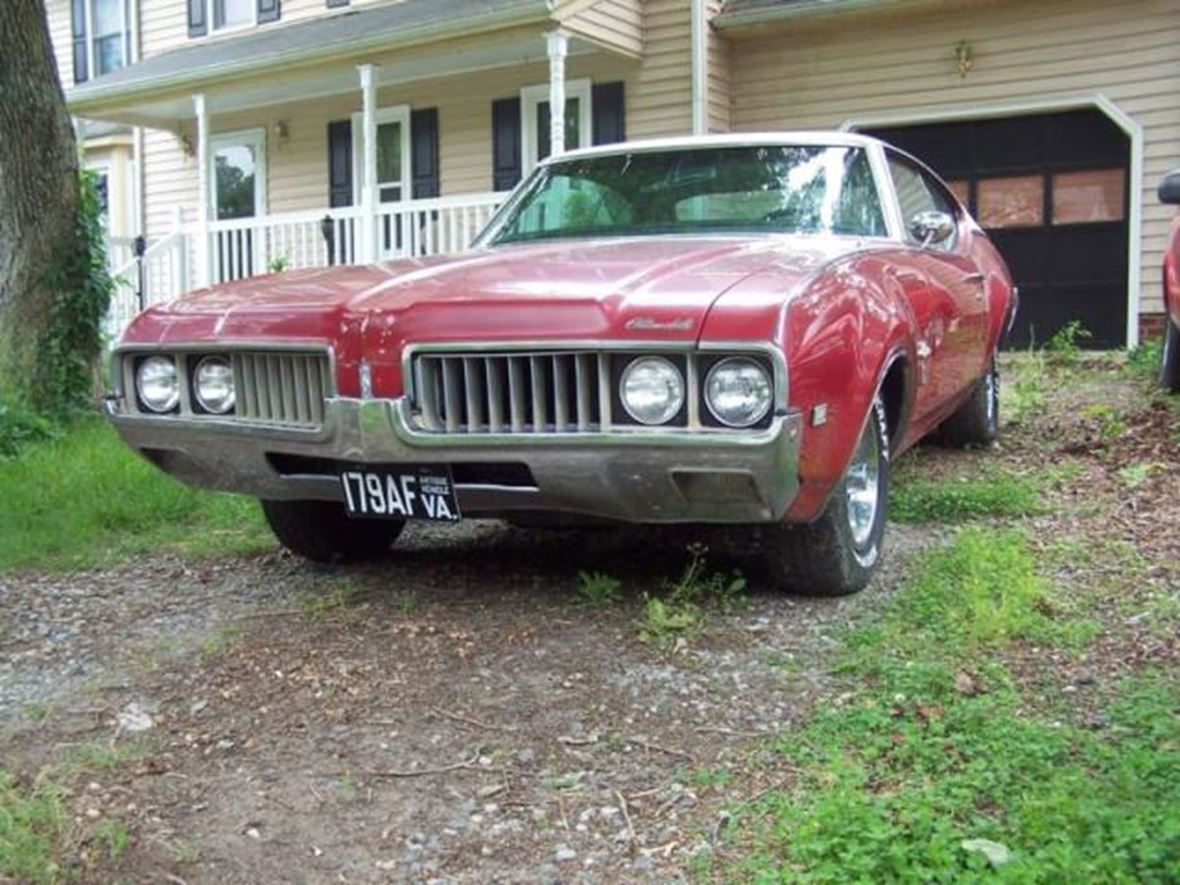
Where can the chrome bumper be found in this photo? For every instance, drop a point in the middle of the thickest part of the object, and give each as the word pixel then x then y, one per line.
pixel 643 475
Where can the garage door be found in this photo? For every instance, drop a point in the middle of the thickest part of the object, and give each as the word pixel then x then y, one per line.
pixel 1051 189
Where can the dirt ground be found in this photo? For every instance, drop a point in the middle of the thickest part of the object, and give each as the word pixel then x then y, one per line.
pixel 450 714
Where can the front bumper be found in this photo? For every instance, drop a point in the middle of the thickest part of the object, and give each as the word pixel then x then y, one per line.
pixel 650 476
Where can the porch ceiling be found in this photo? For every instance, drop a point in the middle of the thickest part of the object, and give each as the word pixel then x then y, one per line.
pixel 317 57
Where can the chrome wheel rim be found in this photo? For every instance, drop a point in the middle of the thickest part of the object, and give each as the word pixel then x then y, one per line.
pixel 990 381
pixel 861 485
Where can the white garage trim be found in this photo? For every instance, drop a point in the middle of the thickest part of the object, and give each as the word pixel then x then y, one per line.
pixel 1095 101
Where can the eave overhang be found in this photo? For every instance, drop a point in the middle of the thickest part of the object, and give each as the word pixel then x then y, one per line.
pixel 769 13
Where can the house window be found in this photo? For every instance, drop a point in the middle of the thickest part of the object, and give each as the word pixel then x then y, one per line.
pixel 238 194
pixel 534 112
pixel 109 18
pixel 102 36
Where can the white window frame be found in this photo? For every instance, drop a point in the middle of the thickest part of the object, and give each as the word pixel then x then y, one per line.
pixel 531 97
pixel 127 14
pixel 393 114
pixel 255 138
pixel 229 29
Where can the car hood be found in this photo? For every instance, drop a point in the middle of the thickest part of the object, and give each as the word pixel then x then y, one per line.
pixel 654 288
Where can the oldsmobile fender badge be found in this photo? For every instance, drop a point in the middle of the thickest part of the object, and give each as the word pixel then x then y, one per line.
pixel 649 324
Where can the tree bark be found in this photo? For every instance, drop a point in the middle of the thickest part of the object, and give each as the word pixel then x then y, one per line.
pixel 38 187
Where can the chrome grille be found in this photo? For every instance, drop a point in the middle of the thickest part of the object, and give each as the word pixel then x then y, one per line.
pixel 281 388
pixel 564 392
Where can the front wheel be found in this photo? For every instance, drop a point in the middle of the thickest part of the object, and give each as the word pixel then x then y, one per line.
pixel 1170 361
pixel 321 531
pixel 837 554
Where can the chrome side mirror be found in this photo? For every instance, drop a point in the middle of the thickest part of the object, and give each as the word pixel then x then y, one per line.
pixel 932 227
pixel 1169 191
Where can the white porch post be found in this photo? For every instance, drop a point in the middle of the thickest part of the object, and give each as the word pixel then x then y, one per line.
pixel 369 200
pixel 202 251
pixel 700 69
pixel 558 45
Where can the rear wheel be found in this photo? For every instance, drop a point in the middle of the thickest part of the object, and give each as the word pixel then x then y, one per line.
pixel 837 554
pixel 1170 363
pixel 977 422
pixel 321 531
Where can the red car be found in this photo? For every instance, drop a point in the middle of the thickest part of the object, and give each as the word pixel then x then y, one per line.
pixel 731 329
pixel 1169 193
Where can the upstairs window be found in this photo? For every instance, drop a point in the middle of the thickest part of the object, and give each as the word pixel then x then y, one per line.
pixel 229 15
pixel 101 37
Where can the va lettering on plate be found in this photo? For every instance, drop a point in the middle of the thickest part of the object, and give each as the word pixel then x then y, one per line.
pixel 389 495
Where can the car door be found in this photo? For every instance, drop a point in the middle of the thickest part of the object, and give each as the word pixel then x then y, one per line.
pixel 954 334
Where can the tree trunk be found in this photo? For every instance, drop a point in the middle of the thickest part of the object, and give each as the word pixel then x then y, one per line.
pixel 38 188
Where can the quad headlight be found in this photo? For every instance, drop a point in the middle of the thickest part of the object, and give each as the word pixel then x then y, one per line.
pixel 213 385
pixel 652 390
pixel 738 392
pixel 158 384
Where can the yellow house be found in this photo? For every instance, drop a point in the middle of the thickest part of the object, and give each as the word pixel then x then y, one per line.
pixel 245 135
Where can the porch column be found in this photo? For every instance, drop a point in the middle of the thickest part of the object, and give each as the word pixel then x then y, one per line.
pixel 369 201
pixel 202 251
pixel 700 68
pixel 558 43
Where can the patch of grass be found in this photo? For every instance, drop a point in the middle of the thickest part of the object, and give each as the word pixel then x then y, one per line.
pixel 1111 422
pixel 115 835
pixel 34 829
pixel 1024 394
pixel 598 589
pixel 86 500
pixel 960 499
pixel 20 428
pixel 921 760
pixel 1144 360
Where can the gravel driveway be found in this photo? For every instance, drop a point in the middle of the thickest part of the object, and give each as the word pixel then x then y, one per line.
pixel 450 714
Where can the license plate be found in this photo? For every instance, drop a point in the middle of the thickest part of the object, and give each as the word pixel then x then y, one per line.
pixel 404 491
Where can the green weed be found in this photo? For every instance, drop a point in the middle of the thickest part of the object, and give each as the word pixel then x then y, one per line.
pixel 598 589
pixel 680 609
pixel 1064 346
pixel 1111 422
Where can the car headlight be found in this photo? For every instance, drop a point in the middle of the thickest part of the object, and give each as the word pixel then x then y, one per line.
pixel 652 390
pixel 157 383
pixel 213 385
pixel 738 392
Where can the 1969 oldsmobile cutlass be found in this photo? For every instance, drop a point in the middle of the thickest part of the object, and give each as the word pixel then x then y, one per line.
pixel 708 330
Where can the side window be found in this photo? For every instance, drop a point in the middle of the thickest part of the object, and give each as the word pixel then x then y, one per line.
pixel 917 192
pixel 574 205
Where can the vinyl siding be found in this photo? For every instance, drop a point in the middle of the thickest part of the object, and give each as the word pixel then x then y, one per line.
pixel 661 102
pixel 717 59
pixel 818 74
pixel 615 24
pixel 61 35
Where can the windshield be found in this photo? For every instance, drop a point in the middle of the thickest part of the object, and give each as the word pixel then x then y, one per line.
pixel 808 189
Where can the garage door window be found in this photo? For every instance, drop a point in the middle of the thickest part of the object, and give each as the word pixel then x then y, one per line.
pixel 1089 197
pixel 1013 201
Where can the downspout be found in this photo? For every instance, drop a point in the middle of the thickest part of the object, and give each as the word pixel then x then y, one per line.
pixel 700 68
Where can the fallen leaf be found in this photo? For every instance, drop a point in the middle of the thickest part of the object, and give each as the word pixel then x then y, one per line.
pixel 965 683
pixel 996 853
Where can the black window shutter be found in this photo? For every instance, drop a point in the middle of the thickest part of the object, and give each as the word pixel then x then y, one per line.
pixel 609 113
pixel 424 152
pixel 268 11
pixel 340 163
pixel 78 14
pixel 198 26
pixel 506 169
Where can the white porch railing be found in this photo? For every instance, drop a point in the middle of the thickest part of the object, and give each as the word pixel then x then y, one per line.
pixel 246 247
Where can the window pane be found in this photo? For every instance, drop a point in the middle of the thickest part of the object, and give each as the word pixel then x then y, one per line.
pixel 1090 196
pixel 1018 201
pixel 961 189
pixel 107 17
pixel 228 13
pixel 389 153
pixel 573 127
pixel 108 53
pixel 235 181
pixel 787 189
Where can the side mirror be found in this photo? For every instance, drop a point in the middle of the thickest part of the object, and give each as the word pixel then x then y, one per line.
pixel 1169 191
pixel 929 228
